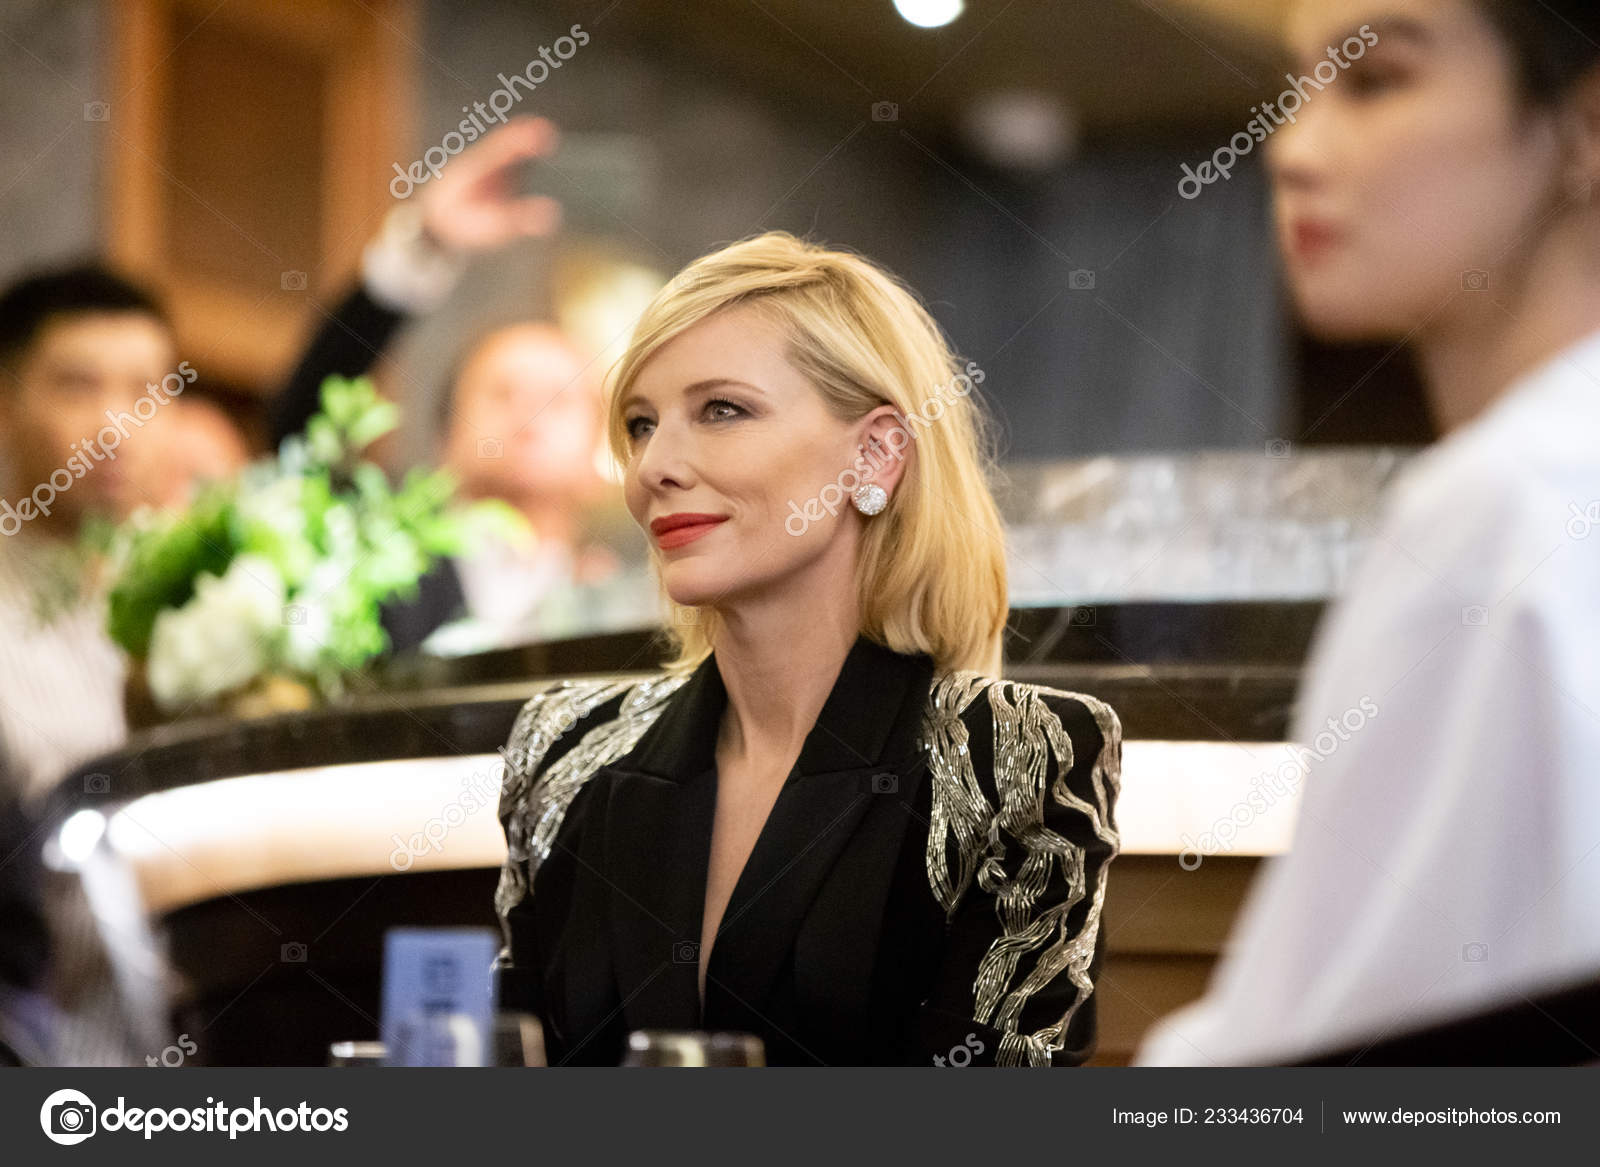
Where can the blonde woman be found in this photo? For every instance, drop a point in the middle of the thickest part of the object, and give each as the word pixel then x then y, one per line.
pixel 826 822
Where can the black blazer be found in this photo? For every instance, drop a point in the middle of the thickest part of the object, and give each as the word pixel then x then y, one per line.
pixel 927 888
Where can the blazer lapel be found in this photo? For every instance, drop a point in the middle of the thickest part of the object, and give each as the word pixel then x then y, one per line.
pixel 657 845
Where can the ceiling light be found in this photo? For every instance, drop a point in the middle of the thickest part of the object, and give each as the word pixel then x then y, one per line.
pixel 929 13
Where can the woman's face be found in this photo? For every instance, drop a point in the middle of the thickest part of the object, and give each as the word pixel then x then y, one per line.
pixel 1414 178
pixel 722 426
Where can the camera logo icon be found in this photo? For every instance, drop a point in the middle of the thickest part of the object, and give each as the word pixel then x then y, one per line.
pixel 96 111
pixel 1474 281
pixel 885 784
pixel 294 614
pixel 885 111
pixel 1280 448
pixel 1475 616
pixel 491 448
pixel 97 783
pixel 67 1117
pixel 294 281
pixel 1084 616
pixel 293 953
pixel 1081 280
pixel 686 952
pixel 1475 953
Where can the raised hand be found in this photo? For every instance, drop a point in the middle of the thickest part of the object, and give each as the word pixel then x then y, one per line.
pixel 470 205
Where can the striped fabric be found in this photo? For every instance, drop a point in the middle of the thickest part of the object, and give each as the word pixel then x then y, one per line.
pixel 61 678
pixel 61 694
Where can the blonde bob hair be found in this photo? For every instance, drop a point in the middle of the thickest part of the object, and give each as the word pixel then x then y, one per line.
pixel 932 569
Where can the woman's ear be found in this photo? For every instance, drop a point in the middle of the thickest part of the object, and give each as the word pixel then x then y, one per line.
pixel 883 444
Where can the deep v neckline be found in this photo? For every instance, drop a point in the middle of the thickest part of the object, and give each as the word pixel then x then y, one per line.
pixel 659 817
pixel 708 944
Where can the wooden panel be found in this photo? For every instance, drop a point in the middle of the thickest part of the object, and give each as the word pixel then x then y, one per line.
pixel 1165 928
pixel 250 148
pixel 244 154
pixel 1156 908
pixel 1135 992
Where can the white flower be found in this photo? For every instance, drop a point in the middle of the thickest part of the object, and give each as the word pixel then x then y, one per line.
pixel 309 628
pixel 222 638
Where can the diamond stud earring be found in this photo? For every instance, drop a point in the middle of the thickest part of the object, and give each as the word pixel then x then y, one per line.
pixel 870 498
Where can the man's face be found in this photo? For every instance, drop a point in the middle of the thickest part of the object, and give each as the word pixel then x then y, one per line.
pixel 78 368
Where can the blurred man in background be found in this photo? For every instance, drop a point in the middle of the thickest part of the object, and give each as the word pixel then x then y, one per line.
pixel 519 419
pixel 78 349
pixel 93 422
pixel 197 443
pixel 88 373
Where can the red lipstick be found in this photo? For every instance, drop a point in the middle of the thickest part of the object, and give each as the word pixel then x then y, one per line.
pixel 683 527
pixel 1311 239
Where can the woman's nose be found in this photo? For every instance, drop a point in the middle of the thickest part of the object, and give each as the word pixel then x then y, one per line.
pixel 663 461
pixel 1298 154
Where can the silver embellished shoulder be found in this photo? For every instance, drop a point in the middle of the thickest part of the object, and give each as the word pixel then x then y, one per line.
pixel 533 803
pixel 1010 848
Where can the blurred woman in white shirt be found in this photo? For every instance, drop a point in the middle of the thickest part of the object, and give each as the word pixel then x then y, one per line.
pixel 1447 855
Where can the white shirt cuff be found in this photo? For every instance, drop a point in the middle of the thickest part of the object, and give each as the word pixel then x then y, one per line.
pixel 402 271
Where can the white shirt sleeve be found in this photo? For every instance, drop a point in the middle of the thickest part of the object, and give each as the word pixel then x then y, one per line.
pixel 402 271
pixel 1447 852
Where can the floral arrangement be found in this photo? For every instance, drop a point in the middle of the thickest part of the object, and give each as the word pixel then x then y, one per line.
pixel 282 573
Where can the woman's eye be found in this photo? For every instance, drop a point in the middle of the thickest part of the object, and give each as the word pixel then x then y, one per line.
pixel 634 426
pixel 720 410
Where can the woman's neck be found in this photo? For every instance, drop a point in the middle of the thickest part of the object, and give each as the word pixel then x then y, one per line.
pixel 779 657
pixel 1548 303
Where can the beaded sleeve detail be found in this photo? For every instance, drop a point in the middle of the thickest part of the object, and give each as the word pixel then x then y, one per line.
pixel 1016 851
pixel 533 804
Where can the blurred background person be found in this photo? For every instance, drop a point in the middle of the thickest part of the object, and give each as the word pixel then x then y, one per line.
pixel 518 418
pixel 76 344
pixel 523 419
pixel 1447 854
pixel 196 443
pixel 93 423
